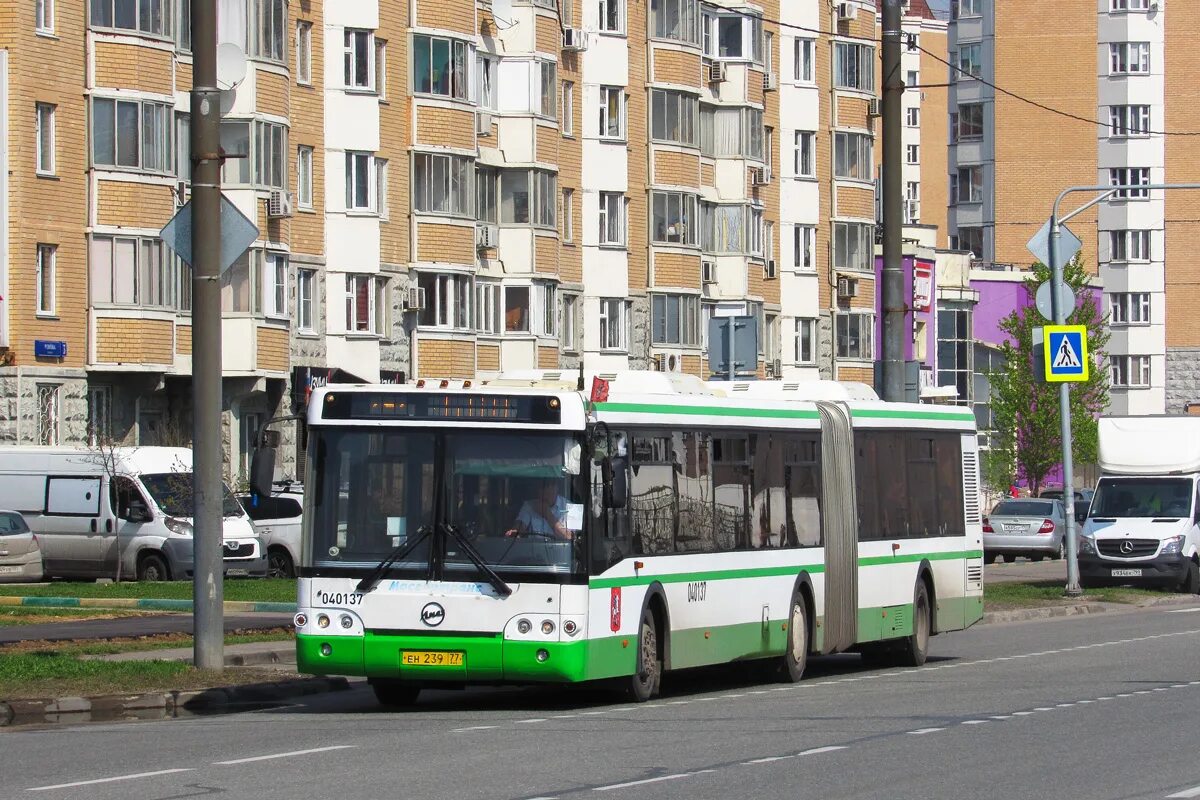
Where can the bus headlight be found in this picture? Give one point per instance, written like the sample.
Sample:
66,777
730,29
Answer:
524,626
347,621
322,620
547,627
300,620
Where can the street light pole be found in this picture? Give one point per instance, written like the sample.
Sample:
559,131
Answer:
207,588
894,334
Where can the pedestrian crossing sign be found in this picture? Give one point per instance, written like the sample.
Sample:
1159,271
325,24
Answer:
1066,353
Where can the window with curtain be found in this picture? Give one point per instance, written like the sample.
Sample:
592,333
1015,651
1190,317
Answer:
852,156
673,116
133,134
440,66
673,218
441,184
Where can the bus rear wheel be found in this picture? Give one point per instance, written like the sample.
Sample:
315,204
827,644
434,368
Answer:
914,648
791,666
395,694
645,681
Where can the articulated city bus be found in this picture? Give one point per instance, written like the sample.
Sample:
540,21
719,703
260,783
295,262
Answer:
522,530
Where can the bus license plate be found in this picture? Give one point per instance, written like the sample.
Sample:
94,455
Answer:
1127,573
431,658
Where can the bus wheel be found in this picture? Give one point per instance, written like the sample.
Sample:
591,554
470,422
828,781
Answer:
914,648
645,681
796,656
395,694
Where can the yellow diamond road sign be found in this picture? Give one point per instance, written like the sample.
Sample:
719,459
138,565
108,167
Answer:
1066,353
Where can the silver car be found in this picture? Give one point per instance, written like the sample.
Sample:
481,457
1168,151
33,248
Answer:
20,553
277,520
1033,527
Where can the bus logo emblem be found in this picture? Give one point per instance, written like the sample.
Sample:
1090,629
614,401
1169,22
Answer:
614,609
433,614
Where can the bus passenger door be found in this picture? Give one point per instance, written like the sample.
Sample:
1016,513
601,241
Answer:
839,522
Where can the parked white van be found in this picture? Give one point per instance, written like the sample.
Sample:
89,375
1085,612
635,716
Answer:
88,507
1143,525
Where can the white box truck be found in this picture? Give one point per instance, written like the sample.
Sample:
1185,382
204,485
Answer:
1142,526
89,506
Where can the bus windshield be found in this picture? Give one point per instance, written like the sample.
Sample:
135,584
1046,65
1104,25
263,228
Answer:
1142,497
517,498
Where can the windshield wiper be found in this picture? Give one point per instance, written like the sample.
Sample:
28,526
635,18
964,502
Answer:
502,588
372,580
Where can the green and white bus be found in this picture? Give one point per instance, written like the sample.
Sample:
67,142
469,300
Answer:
524,530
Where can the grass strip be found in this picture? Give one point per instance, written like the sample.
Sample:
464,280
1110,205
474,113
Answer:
23,615
275,590
1036,594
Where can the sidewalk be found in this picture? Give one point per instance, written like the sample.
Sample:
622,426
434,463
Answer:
281,654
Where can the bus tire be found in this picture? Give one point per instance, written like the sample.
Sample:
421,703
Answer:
151,567
913,649
647,676
795,658
395,694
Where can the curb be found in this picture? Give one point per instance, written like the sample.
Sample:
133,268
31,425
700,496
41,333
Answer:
1024,614
144,604
163,705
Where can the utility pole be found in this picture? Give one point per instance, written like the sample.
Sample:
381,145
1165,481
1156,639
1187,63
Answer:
894,309
207,587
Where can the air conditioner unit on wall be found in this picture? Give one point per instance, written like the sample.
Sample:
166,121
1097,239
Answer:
575,39
770,81
416,298
483,124
486,236
279,204
716,72
873,107
708,272
847,287
847,11
669,362
769,268
760,176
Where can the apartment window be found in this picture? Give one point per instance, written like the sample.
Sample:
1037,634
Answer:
141,16
912,117
306,281
131,134
911,79
304,176
486,179
487,307
912,154
1129,58
275,288
528,197
99,415
612,219
567,215
966,8
567,123
969,239
358,181
242,284
1131,372
970,59
447,300
486,68
968,123
805,161
1130,176
854,66
673,116
675,19
806,341
612,16
852,156
235,140
304,52
442,185
268,23
381,187
1129,245
45,138
545,306
45,278
674,319
549,86
854,335
183,26
516,309
570,310
804,247
1128,120
732,36
673,218
966,185
732,132
366,304
854,246
612,112
1130,5
805,49
440,66
1129,308
127,270
358,55
49,397
270,159
43,16
381,69
613,324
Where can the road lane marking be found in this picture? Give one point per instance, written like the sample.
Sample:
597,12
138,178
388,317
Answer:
818,750
530,721
289,754
95,781
768,759
474,728
644,781
974,721
923,731
1193,792
1183,611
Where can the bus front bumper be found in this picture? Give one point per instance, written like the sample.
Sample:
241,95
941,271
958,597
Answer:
466,659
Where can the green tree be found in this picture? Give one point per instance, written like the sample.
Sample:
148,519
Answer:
1027,442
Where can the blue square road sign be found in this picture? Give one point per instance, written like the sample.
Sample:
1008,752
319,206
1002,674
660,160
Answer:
1066,353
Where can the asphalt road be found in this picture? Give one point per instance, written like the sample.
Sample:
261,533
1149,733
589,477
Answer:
132,626
1101,706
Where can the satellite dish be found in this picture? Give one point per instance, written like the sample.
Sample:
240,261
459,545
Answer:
231,65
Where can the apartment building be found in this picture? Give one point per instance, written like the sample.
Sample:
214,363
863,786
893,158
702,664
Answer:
442,189
1123,77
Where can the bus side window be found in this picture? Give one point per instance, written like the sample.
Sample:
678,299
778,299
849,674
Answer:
731,489
767,493
652,493
866,482
802,483
610,539
693,479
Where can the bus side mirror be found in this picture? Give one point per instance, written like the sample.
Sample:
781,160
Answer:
262,464
616,482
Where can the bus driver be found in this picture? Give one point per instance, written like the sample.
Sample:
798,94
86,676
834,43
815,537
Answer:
543,515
